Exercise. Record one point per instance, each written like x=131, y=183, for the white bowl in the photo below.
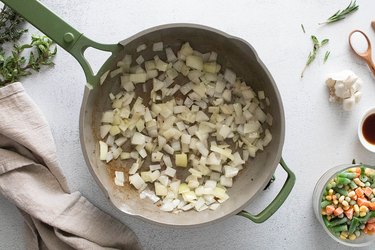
x=370, y=147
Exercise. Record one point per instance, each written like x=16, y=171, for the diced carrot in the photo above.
x=368, y=191
x=349, y=213
x=359, y=192
x=358, y=172
x=330, y=209
x=370, y=227
x=338, y=211
x=363, y=202
x=372, y=206
x=372, y=220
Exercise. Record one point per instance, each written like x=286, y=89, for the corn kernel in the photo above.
x=328, y=198
x=356, y=208
x=346, y=207
x=356, y=214
x=351, y=194
x=331, y=191
x=352, y=237
x=354, y=197
x=359, y=182
x=362, y=214
x=324, y=212
x=363, y=209
x=345, y=203
x=329, y=217
x=348, y=199
x=334, y=197
x=335, y=202
x=342, y=237
x=342, y=198
x=345, y=234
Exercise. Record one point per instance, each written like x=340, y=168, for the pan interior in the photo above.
x=232, y=53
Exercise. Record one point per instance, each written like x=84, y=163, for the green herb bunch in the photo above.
x=15, y=65
x=341, y=14
x=21, y=59
x=10, y=25
x=312, y=55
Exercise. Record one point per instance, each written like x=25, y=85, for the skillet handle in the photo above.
x=277, y=202
x=63, y=34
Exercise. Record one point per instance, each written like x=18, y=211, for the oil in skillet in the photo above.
x=368, y=129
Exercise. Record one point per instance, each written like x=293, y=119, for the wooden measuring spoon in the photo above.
x=367, y=54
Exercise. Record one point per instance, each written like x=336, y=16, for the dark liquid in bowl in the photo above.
x=368, y=129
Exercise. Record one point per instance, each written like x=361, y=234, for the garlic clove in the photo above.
x=357, y=96
x=348, y=103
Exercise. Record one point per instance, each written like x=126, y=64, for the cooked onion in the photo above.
x=212, y=131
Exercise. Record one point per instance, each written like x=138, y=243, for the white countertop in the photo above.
x=319, y=134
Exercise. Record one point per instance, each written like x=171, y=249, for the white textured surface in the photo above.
x=318, y=134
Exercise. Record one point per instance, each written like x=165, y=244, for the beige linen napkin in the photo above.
x=31, y=179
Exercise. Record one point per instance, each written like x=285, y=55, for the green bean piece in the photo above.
x=325, y=203
x=341, y=191
x=353, y=185
x=368, y=216
x=355, y=223
x=343, y=180
x=337, y=222
x=347, y=175
x=363, y=171
x=326, y=221
x=339, y=228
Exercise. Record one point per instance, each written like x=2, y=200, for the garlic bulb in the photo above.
x=344, y=87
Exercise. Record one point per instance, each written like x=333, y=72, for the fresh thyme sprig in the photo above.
x=10, y=25
x=312, y=54
x=15, y=65
x=341, y=14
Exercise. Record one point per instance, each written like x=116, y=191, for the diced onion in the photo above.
x=191, y=125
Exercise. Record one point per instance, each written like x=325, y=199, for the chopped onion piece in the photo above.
x=137, y=182
x=181, y=160
x=103, y=149
x=230, y=76
x=230, y=171
x=141, y=47
x=194, y=62
x=119, y=178
x=157, y=46
x=171, y=57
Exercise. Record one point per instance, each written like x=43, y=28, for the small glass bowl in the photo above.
x=361, y=241
x=370, y=147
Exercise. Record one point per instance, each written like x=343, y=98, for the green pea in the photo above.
x=363, y=178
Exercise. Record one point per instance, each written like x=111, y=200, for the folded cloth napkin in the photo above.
x=31, y=179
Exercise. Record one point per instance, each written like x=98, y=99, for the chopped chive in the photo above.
x=303, y=28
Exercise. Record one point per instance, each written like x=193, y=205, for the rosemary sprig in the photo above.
x=10, y=25
x=312, y=55
x=14, y=66
x=326, y=55
x=341, y=14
